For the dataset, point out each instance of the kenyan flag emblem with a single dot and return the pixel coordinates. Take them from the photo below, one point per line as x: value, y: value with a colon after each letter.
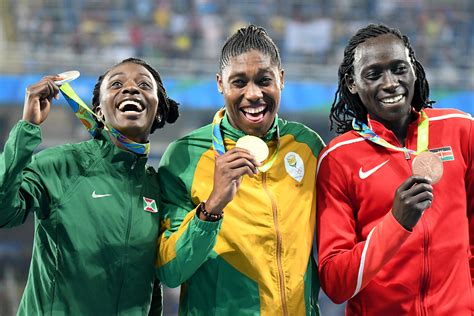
x: 149, y: 205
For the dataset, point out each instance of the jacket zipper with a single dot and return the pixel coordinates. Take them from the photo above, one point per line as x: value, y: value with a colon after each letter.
x: 279, y: 246
x: 127, y: 233
x: 426, y: 268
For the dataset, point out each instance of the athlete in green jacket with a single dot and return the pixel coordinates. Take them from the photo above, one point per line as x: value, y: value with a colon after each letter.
x: 255, y: 259
x: 95, y: 202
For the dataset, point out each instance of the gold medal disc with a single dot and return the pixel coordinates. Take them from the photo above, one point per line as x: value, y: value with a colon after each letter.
x: 255, y: 145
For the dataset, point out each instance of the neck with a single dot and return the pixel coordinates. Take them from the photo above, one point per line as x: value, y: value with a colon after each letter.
x: 399, y: 128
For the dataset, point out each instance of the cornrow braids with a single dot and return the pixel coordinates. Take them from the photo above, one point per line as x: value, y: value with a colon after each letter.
x: 347, y: 106
x: 249, y: 38
x: 168, y: 110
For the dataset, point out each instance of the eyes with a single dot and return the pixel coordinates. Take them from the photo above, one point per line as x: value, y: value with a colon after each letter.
x: 145, y: 85
x: 264, y: 81
x: 376, y: 73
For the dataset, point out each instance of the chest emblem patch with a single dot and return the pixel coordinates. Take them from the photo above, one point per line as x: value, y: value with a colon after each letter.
x: 149, y: 205
x: 445, y: 153
x: 294, y: 166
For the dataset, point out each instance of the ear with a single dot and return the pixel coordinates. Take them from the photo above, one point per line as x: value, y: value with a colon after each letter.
x: 220, y: 88
x: 282, y: 79
x: 99, y: 113
x: 350, y: 84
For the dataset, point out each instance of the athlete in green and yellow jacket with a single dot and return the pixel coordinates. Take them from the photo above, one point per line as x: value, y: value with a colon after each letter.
x: 94, y: 203
x: 240, y: 240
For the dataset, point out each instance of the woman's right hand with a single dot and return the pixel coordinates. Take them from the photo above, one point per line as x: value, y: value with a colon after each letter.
x: 411, y: 199
x: 38, y: 99
x: 228, y: 172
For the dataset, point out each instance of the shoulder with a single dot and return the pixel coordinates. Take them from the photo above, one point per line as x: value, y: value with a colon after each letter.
x: 188, y: 148
x: 301, y: 133
x: 447, y: 115
x: 343, y: 145
x: 63, y: 155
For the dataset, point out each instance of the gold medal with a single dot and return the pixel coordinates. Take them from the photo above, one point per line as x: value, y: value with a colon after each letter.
x: 428, y: 164
x: 255, y: 145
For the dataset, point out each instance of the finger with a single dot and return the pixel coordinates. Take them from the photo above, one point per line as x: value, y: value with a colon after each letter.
x: 419, y: 188
x: 238, y: 153
x: 411, y: 181
x: 238, y: 173
x: 242, y: 162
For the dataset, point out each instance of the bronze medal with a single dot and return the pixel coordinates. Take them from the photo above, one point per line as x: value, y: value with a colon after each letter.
x: 428, y: 164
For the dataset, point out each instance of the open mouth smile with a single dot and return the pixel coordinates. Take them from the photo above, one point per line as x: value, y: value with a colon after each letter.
x: 254, y: 114
x: 392, y: 100
x: 131, y: 106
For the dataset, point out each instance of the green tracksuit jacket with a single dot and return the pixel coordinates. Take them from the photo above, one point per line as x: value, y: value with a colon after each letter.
x: 258, y: 259
x: 95, y: 235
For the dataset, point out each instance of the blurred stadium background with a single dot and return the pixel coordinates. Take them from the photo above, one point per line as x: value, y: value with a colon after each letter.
x: 182, y: 39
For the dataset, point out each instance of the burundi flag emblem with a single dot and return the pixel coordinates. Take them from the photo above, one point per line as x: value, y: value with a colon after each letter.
x: 149, y: 205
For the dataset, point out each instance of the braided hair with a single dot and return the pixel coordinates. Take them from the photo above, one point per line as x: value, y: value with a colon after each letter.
x: 246, y: 39
x: 167, y: 108
x: 346, y: 105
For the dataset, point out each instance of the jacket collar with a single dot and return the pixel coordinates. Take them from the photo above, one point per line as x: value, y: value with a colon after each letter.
x: 121, y: 158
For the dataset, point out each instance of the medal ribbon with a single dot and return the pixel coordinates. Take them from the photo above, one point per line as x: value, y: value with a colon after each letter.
x: 422, y: 142
x: 86, y: 116
x: 218, y: 140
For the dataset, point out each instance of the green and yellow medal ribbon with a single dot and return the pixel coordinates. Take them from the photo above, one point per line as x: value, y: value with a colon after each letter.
x: 218, y: 140
x: 87, y: 118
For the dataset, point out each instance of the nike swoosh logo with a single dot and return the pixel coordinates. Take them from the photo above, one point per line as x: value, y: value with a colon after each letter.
x: 365, y: 174
x: 98, y: 196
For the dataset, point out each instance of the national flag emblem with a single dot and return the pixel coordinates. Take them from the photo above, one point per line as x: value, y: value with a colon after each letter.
x: 149, y: 205
x: 445, y: 153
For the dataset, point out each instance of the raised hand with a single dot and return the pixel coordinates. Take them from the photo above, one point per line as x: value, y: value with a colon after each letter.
x: 228, y: 173
x: 411, y: 198
x: 38, y: 99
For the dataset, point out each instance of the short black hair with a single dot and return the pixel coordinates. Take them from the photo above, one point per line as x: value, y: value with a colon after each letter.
x: 168, y: 110
x: 346, y: 105
x: 246, y: 39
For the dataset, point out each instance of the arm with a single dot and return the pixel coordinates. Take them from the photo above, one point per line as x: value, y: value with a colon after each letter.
x: 188, y: 240
x: 21, y: 188
x: 470, y: 193
x: 347, y: 264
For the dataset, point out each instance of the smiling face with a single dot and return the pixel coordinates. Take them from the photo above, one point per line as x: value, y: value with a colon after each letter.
x: 129, y: 100
x: 251, y: 86
x: 384, y: 79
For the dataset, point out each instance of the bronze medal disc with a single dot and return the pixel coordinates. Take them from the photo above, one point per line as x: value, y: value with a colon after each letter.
x: 428, y: 164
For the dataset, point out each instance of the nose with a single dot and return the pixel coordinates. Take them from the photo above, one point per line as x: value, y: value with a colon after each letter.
x: 389, y: 81
x: 130, y: 87
x: 253, y: 92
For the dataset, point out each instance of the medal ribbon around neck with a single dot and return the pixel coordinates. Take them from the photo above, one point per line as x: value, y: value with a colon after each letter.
x: 86, y: 116
x: 218, y: 141
x: 422, y: 142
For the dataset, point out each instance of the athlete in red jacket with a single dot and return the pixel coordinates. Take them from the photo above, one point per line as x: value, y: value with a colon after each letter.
x: 391, y: 243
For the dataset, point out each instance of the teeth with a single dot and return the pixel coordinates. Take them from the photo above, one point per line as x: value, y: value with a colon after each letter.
x: 135, y: 104
x: 392, y: 99
x: 254, y: 110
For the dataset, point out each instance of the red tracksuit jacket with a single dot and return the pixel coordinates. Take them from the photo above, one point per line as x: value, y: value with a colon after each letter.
x: 365, y: 255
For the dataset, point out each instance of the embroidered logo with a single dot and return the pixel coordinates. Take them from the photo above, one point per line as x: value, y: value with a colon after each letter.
x: 294, y: 166
x: 445, y: 153
x: 149, y: 205
x: 364, y: 174
x: 98, y: 196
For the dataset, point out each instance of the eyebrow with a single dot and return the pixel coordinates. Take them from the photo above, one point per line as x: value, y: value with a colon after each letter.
x: 243, y: 74
x: 123, y: 73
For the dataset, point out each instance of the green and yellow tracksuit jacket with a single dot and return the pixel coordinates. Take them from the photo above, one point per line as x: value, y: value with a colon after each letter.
x: 95, y: 235
x: 258, y: 259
